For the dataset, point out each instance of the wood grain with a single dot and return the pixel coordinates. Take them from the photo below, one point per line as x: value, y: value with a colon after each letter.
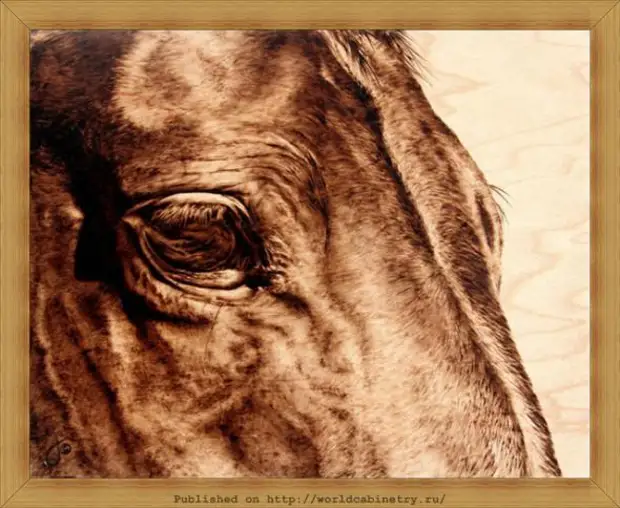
x: 605, y: 274
x: 605, y: 238
x: 262, y: 14
x: 13, y: 253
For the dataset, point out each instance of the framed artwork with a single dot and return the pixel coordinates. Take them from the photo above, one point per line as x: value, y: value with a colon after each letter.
x: 277, y: 253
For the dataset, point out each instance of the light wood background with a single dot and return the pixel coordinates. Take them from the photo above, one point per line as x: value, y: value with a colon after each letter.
x: 519, y: 101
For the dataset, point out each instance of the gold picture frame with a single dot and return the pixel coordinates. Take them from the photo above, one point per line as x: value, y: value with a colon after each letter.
x: 600, y: 17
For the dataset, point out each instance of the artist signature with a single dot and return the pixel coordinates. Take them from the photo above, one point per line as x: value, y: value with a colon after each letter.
x: 54, y: 453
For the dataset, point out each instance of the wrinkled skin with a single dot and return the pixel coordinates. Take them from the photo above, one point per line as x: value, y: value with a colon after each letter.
x: 263, y: 254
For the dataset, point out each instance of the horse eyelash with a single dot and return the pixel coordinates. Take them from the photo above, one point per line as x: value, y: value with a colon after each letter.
x: 184, y: 214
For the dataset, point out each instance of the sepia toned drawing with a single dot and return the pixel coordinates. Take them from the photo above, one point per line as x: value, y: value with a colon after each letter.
x: 262, y: 253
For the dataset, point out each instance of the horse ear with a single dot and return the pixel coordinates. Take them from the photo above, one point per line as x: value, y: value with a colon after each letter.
x: 455, y: 203
x: 440, y: 176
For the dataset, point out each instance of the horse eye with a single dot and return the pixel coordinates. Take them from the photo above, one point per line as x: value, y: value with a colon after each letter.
x: 195, y: 237
x: 197, y: 240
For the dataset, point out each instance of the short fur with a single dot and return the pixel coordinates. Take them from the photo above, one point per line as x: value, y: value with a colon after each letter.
x: 358, y: 332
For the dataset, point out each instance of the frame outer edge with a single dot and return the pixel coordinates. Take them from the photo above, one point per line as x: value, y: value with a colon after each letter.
x: 605, y: 196
x: 605, y: 250
x: 470, y: 493
x: 325, y: 14
x: 14, y: 56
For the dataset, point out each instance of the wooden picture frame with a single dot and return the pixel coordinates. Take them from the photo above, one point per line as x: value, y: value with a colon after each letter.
x: 600, y: 17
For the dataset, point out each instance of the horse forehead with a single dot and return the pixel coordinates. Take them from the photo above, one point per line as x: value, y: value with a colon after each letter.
x: 206, y: 77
